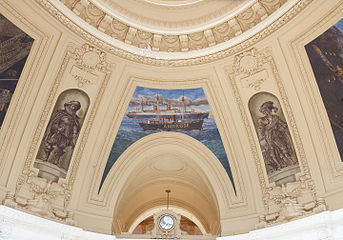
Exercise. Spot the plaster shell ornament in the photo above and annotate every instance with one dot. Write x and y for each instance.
(248, 62)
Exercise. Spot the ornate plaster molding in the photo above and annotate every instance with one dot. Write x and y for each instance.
(150, 42)
(291, 200)
(123, 9)
(39, 195)
(104, 21)
(249, 67)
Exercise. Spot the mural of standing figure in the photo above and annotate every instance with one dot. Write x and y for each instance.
(62, 131)
(61, 134)
(271, 131)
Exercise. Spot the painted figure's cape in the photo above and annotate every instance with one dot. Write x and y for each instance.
(55, 121)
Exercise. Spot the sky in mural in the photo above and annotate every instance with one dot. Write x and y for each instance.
(181, 110)
(326, 57)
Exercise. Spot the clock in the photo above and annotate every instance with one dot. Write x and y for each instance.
(166, 222)
(166, 225)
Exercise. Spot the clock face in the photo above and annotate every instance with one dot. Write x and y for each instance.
(166, 222)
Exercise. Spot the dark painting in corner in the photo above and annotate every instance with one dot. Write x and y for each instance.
(15, 46)
(326, 57)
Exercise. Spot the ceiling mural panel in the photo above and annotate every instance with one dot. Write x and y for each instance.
(326, 57)
(15, 46)
(153, 110)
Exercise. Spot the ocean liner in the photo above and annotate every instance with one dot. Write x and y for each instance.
(169, 119)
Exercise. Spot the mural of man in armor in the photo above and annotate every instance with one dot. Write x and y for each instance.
(62, 131)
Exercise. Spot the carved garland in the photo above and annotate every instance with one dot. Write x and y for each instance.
(246, 19)
(274, 196)
(183, 39)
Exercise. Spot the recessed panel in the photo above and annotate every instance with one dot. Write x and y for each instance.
(275, 140)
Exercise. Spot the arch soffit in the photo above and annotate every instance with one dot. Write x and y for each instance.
(200, 156)
(176, 209)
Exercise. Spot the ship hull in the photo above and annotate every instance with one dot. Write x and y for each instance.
(172, 126)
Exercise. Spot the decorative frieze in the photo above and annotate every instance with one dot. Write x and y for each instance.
(243, 21)
(175, 43)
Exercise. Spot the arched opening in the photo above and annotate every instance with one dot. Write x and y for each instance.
(174, 161)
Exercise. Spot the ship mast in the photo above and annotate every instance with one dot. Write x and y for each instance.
(183, 103)
(158, 106)
(142, 104)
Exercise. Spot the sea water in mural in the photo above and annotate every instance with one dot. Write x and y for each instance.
(274, 138)
(15, 46)
(326, 57)
(154, 110)
(61, 134)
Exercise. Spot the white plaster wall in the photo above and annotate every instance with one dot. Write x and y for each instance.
(16, 225)
(323, 226)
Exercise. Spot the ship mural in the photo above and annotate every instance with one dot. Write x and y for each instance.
(168, 114)
(326, 57)
(154, 110)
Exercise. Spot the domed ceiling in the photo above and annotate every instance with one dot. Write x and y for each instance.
(125, 55)
(170, 27)
(170, 16)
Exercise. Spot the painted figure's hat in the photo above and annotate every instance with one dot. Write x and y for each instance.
(267, 105)
(75, 103)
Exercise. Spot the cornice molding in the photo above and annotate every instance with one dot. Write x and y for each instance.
(117, 10)
(146, 54)
(244, 19)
